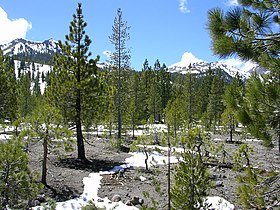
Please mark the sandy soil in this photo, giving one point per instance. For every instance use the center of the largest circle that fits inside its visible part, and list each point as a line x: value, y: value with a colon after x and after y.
x: 65, y: 174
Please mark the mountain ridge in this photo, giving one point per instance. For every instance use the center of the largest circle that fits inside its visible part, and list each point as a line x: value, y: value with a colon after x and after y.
x: 43, y: 52
x: 36, y: 51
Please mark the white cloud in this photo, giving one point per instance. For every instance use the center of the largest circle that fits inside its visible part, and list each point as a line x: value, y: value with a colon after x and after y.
x: 187, y: 59
x: 183, y: 6
x: 107, y: 53
x: 12, y: 29
x: 244, y: 66
x: 232, y: 3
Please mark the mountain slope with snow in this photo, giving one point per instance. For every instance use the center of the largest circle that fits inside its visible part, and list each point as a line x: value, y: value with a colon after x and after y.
x: 189, y: 63
x: 31, y: 50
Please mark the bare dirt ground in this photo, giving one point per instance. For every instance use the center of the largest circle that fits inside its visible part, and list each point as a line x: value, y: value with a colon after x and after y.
x: 65, y: 174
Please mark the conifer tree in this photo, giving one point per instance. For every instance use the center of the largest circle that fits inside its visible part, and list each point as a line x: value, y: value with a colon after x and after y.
x: 46, y: 125
x: 147, y: 77
x: 262, y: 108
x: 8, y: 90
x: 232, y: 100
x: 215, y: 106
x: 204, y: 92
x: 120, y: 58
x: 191, y: 181
x: 25, y: 99
x: 17, y: 184
x: 251, y: 31
x: 36, y: 87
x: 135, y: 108
x: 75, y: 84
x: 174, y: 114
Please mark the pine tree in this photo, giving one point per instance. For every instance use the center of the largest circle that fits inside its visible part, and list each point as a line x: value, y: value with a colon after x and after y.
x: 232, y: 100
x: 174, y: 114
x: 26, y: 101
x: 46, y: 125
x: 255, y: 186
x: 36, y: 88
x: 204, y: 92
x: 215, y: 105
x: 147, y: 80
x: 250, y: 31
x: 17, y: 184
x: 135, y: 109
x: 120, y: 58
x: 191, y: 181
x: 8, y: 90
x: 262, y: 108
x: 75, y: 84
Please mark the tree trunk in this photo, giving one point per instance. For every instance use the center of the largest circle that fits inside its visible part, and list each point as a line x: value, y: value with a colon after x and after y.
x: 133, y: 128
x: 168, y: 176
x: 80, y: 140
x: 278, y: 138
x: 119, y: 80
x: 45, y: 156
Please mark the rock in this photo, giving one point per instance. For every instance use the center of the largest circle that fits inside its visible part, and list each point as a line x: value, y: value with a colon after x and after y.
x: 137, y: 201
x: 116, y: 198
x: 129, y: 203
x: 41, y: 198
x: 142, y: 178
x: 141, y: 201
x: 34, y: 203
x: 219, y: 184
x: 213, y: 176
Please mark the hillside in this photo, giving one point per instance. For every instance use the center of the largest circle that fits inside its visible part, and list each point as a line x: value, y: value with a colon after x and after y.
x: 43, y: 52
x: 39, y: 52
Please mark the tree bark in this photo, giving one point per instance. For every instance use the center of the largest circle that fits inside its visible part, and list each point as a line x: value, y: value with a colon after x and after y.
x: 80, y: 140
x: 45, y: 156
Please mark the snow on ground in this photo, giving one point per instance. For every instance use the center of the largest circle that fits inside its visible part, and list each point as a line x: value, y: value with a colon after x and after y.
x: 93, y: 182
x: 4, y: 137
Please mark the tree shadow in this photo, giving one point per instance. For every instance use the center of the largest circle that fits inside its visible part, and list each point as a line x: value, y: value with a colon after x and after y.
x: 61, y: 193
x: 91, y: 165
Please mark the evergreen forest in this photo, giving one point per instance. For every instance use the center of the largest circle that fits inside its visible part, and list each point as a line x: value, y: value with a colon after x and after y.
x: 116, y: 101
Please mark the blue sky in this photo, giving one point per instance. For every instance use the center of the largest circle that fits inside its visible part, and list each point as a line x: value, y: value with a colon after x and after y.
x: 160, y: 29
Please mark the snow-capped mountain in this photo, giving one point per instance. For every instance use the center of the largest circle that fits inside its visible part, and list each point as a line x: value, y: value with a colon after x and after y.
x: 36, y: 51
x: 189, y: 63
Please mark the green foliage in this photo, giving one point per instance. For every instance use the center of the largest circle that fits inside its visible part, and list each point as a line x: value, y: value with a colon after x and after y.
x: 262, y: 107
x: 174, y: 114
x: 155, y: 203
x: 191, y: 180
x: 233, y: 99
x: 251, y: 32
x: 140, y: 145
x: 91, y: 206
x: 46, y: 125
x: 25, y: 98
x: 8, y: 90
x: 17, y: 184
x: 50, y: 204
x: 254, y: 183
x: 247, y: 31
x: 120, y: 60
x: 215, y: 106
x: 77, y: 88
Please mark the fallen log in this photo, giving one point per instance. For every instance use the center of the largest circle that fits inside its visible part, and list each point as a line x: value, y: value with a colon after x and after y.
x: 219, y: 165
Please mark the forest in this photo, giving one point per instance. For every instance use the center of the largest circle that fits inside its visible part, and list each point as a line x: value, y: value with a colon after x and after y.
x: 116, y: 102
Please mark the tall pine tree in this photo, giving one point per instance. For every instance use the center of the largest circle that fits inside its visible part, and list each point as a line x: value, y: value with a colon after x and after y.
x: 8, y: 90
x: 120, y: 59
x: 75, y: 85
